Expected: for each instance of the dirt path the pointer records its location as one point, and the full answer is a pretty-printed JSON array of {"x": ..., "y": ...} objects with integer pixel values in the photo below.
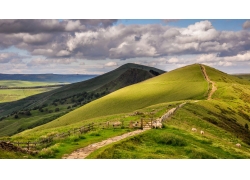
[
  {"x": 208, "y": 80},
  {"x": 84, "y": 152}
]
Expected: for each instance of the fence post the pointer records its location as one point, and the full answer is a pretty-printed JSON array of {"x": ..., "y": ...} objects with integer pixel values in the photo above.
[
  {"x": 28, "y": 145},
  {"x": 122, "y": 124},
  {"x": 151, "y": 122},
  {"x": 141, "y": 123},
  {"x": 69, "y": 133},
  {"x": 89, "y": 127}
]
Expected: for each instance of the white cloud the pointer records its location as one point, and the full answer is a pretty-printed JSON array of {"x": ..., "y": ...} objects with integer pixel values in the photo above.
[
  {"x": 111, "y": 64},
  {"x": 50, "y": 62},
  {"x": 10, "y": 58},
  {"x": 63, "y": 53},
  {"x": 246, "y": 24},
  {"x": 173, "y": 60},
  {"x": 42, "y": 52}
]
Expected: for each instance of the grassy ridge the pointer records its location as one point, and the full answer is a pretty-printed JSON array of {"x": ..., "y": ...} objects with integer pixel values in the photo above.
[
  {"x": 177, "y": 140},
  {"x": 164, "y": 88},
  {"x": 95, "y": 84},
  {"x": 223, "y": 119}
]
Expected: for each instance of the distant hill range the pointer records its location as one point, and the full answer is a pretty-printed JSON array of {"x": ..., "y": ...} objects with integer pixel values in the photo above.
[{"x": 62, "y": 78}]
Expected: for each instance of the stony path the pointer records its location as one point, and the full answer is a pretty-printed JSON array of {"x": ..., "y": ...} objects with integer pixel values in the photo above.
[
  {"x": 84, "y": 152},
  {"x": 208, "y": 80}
]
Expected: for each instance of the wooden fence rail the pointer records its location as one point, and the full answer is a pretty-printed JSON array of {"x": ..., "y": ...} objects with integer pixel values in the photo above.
[{"x": 81, "y": 130}]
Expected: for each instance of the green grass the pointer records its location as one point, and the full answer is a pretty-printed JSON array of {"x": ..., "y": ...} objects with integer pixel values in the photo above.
[
  {"x": 106, "y": 83},
  {"x": 158, "y": 110},
  {"x": 164, "y": 88},
  {"x": 222, "y": 118},
  {"x": 17, "y": 83},
  {"x": 13, "y": 155},
  {"x": 243, "y": 76},
  {"x": 177, "y": 141},
  {"x": 8, "y": 95}
]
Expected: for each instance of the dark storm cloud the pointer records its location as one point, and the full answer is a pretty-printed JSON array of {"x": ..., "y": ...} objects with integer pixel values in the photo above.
[{"x": 50, "y": 25}]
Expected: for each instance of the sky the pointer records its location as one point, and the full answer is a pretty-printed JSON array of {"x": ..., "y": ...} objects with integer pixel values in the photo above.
[{"x": 96, "y": 46}]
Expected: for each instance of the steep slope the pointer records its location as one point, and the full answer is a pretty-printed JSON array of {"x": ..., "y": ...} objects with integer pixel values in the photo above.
[
  {"x": 64, "y": 103},
  {"x": 224, "y": 119},
  {"x": 184, "y": 83},
  {"x": 72, "y": 89}
]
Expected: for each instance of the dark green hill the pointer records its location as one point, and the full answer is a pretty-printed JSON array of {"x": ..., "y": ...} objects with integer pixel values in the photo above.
[{"x": 48, "y": 106}]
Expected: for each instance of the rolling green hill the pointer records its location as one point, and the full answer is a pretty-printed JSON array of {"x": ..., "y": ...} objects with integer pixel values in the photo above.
[
  {"x": 68, "y": 91},
  {"x": 224, "y": 119},
  {"x": 181, "y": 84},
  {"x": 48, "y": 106}
]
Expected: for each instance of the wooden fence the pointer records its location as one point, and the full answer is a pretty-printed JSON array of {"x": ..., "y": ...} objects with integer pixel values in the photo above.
[
  {"x": 43, "y": 142},
  {"x": 32, "y": 145}
]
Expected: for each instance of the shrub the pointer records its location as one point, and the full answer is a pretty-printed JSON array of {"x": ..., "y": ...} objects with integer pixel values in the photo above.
[
  {"x": 28, "y": 113},
  {"x": 172, "y": 140},
  {"x": 57, "y": 109},
  {"x": 246, "y": 126},
  {"x": 16, "y": 116}
]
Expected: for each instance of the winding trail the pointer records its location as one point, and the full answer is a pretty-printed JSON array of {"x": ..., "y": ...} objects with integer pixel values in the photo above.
[
  {"x": 214, "y": 88},
  {"x": 84, "y": 152}
]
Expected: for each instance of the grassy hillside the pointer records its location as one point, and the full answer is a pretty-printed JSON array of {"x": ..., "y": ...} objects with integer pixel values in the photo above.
[
  {"x": 183, "y": 83},
  {"x": 68, "y": 91},
  {"x": 224, "y": 119},
  {"x": 69, "y": 98},
  {"x": 243, "y": 76},
  {"x": 223, "y": 127},
  {"x": 8, "y": 95}
]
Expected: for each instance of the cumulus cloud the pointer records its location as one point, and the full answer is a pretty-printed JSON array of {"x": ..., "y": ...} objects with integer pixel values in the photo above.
[
  {"x": 111, "y": 64},
  {"x": 10, "y": 58},
  {"x": 173, "y": 60},
  {"x": 48, "y": 62},
  {"x": 67, "y": 40},
  {"x": 246, "y": 25},
  {"x": 50, "y": 25}
]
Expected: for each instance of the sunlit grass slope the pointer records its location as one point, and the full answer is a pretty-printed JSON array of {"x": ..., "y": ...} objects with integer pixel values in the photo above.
[
  {"x": 8, "y": 95},
  {"x": 180, "y": 84},
  {"x": 107, "y": 82},
  {"x": 222, "y": 124},
  {"x": 17, "y": 83}
]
